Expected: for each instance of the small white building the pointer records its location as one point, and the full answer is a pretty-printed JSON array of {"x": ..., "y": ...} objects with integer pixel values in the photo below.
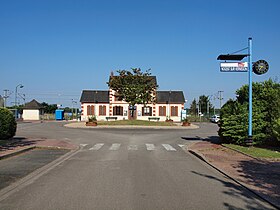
[{"x": 32, "y": 111}]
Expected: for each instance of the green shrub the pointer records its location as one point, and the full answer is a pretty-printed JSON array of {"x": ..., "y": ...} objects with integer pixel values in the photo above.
[
  {"x": 8, "y": 125},
  {"x": 266, "y": 114}
]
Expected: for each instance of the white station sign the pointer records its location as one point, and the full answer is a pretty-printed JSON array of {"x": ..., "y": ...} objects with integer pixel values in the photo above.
[{"x": 234, "y": 67}]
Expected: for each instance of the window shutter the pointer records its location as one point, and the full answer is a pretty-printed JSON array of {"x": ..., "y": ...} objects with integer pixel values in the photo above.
[
  {"x": 100, "y": 110},
  {"x": 114, "y": 110}
]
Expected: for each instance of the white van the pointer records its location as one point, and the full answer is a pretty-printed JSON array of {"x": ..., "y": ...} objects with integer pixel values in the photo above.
[{"x": 215, "y": 118}]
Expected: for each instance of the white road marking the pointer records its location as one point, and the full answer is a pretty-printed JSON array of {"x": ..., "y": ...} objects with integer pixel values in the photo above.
[
  {"x": 150, "y": 147},
  {"x": 132, "y": 147},
  {"x": 83, "y": 145},
  {"x": 96, "y": 147},
  {"x": 181, "y": 145},
  {"x": 115, "y": 147},
  {"x": 168, "y": 147}
]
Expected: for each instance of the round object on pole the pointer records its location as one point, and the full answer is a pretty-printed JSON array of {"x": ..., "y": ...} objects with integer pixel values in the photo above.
[{"x": 260, "y": 67}]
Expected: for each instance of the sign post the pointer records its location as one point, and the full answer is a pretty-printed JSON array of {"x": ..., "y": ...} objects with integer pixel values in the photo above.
[
  {"x": 259, "y": 67},
  {"x": 250, "y": 135}
]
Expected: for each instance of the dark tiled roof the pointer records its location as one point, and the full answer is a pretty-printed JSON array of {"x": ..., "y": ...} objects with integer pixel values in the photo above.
[
  {"x": 170, "y": 97},
  {"x": 93, "y": 96},
  {"x": 33, "y": 105}
]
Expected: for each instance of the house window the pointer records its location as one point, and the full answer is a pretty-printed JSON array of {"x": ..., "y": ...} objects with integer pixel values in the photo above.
[
  {"x": 174, "y": 110},
  {"x": 90, "y": 110},
  {"x": 102, "y": 110},
  {"x": 118, "y": 110},
  {"x": 162, "y": 111},
  {"x": 147, "y": 111}
]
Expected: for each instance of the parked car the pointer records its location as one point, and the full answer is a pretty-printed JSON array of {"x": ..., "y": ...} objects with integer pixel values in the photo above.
[{"x": 215, "y": 118}]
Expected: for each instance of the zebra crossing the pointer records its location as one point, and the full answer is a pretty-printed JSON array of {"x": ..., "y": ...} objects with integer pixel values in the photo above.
[{"x": 132, "y": 147}]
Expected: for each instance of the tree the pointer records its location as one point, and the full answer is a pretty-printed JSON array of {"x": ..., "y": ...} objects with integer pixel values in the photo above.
[
  {"x": 266, "y": 114},
  {"x": 49, "y": 108},
  {"x": 205, "y": 105},
  {"x": 8, "y": 125},
  {"x": 193, "y": 107},
  {"x": 134, "y": 86}
]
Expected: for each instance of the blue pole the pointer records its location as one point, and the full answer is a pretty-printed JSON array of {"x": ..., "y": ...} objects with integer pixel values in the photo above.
[{"x": 250, "y": 136}]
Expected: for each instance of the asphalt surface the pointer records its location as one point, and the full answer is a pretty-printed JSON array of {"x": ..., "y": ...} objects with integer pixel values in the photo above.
[
  {"x": 16, "y": 167},
  {"x": 129, "y": 169}
]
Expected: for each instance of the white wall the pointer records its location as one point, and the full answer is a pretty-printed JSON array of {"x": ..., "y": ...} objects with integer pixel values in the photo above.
[
  {"x": 31, "y": 114},
  {"x": 84, "y": 117}
]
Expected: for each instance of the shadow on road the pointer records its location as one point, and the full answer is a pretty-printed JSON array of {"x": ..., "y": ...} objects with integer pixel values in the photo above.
[
  {"x": 212, "y": 139},
  {"x": 236, "y": 191},
  {"x": 16, "y": 142}
]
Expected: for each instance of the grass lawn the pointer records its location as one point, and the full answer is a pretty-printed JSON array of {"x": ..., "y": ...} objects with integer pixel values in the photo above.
[
  {"x": 136, "y": 122},
  {"x": 256, "y": 151}
]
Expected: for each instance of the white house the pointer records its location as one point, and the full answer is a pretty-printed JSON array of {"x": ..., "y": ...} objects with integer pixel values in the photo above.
[
  {"x": 104, "y": 105},
  {"x": 32, "y": 111}
]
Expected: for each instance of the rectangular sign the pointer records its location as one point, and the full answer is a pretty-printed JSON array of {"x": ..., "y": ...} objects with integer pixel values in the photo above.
[{"x": 234, "y": 67}]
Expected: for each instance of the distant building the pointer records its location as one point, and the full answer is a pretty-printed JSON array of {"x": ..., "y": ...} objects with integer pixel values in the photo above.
[
  {"x": 32, "y": 111},
  {"x": 103, "y": 103}
]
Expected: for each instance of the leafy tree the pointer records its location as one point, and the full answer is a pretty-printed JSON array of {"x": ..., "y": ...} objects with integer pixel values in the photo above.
[
  {"x": 68, "y": 110},
  {"x": 204, "y": 104},
  {"x": 193, "y": 107},
  {"x": 266, "y": 114},
  {"x": 134, "y": 86},
  {"x": 203, "y": 101},
  {"x": 49, "y": 108},
  {"x": 8, "y": 125},
  {"x": 233, "y": 123}
]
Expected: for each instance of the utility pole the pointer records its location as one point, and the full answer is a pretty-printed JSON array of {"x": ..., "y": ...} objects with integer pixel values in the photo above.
[
  {"x": 6, "y": 96},
  {"x": 220, "y": 98}
]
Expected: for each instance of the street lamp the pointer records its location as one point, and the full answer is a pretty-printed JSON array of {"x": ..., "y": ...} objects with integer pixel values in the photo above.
[
  {"x": 259, "y": 67},
  {"x": 20, "y": 86},
  {"x": 73, "y": 102}
]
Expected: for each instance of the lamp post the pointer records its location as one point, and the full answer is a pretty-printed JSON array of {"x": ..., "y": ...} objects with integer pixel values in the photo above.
[
  {"x": 73, "y": 112},
  {"x": 250, "y": 135},
  {"x": 259, "y": 67},
  {"x": 16, "y": 93}
]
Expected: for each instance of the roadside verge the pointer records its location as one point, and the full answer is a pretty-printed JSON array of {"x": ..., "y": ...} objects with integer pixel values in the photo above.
[{"x": 259, "y": 176}]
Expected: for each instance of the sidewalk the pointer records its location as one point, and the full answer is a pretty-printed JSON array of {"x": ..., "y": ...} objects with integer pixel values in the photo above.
[
  {"x": 260, "y": 176},
  {"x": 83, "y": 125},
  {"x": 19, "y": 145}
]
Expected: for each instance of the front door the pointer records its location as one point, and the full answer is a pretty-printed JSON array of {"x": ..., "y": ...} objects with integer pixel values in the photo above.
[{"x": 132, "y": 113}]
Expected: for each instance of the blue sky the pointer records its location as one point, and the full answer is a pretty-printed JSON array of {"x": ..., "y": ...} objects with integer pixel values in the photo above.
[{"x": 57, "y": 48}]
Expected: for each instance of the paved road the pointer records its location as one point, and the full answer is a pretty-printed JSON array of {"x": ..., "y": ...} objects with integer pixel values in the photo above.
[{"x": 129, "y": 169}]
